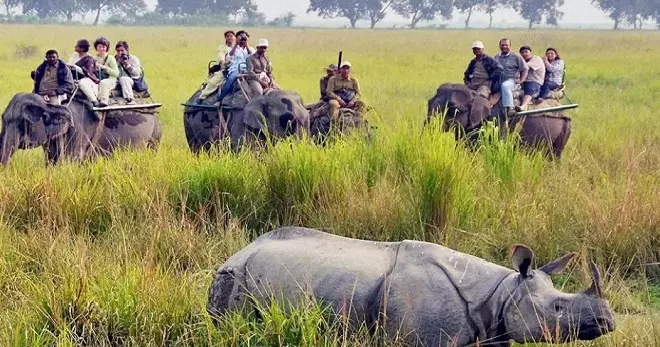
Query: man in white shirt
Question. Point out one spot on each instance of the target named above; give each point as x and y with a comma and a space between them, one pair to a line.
238, 56
535, 76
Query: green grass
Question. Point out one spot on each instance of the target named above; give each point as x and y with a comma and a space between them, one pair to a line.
122, 251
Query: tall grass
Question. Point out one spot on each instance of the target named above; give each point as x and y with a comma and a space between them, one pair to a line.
121, 251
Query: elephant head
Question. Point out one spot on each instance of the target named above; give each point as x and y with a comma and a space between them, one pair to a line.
462, 108
278, 114
28, 122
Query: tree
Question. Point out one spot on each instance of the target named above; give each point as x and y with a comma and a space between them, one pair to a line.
615, 9
129, 7
419, 10
9, 5
178, 7
534, 11
490, 6
284, 20
467, 6
353, 10
376, 10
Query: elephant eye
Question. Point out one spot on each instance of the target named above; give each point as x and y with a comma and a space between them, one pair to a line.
559, 309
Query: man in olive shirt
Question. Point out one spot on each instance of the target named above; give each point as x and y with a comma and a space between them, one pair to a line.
343, 91
483, 72
260, 68
53, 79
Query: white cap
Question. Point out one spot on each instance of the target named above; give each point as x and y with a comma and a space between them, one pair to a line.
262, 43
345, 63
478, 44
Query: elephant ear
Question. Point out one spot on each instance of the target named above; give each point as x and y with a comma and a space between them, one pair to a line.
57, 120
479, 112
33, 113
255, 115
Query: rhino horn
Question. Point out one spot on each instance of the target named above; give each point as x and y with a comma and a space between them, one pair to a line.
595, 289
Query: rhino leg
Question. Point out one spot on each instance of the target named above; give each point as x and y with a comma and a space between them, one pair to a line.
226, 291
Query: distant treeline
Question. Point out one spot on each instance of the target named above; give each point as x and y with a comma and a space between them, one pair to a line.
246, 12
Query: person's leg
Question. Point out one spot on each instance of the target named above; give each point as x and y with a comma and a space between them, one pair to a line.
333, 109
507, 93
126, 84
89, 89
529, 88
229, 84
105, 87
212, 85
484, 91
546, 88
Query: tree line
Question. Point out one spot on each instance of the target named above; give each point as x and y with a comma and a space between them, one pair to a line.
631, 12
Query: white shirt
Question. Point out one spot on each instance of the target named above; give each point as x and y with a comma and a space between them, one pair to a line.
240, 59
73, 58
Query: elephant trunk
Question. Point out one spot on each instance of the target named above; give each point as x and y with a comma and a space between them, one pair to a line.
10, 142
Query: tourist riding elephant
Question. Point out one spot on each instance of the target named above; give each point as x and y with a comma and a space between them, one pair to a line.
277, 114
74, 131
466, 111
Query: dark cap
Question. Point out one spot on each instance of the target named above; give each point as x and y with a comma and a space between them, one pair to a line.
525, 48
331, 67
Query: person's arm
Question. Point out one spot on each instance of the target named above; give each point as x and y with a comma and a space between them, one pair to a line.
356, 88
523, 68
111, 67
323, 85
548, 65
466, 74
90, 69
134, 68
66, 88
250, 66
495, 69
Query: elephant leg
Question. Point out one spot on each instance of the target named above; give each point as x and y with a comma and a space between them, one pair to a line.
560, 141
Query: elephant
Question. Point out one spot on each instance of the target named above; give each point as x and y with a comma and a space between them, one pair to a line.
274, 115
203, 125
465, 111
349, 122
74, 131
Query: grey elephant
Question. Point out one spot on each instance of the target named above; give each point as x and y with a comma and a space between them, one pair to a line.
465, 111
423, 293
350, 121
74, 131
277, 113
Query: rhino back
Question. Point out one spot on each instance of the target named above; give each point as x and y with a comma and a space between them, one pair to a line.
341, 272
437, 296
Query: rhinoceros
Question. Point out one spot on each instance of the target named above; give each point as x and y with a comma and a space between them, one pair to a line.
419, 292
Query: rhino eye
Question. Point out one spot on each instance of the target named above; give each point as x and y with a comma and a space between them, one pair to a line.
559, 309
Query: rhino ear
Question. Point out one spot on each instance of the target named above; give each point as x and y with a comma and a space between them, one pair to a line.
522, 258
559, 265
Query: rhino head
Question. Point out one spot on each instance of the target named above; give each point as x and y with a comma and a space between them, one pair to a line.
533, 310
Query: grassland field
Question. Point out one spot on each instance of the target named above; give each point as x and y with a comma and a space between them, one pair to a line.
121, 252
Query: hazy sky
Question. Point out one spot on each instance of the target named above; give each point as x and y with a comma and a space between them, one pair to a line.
576, 13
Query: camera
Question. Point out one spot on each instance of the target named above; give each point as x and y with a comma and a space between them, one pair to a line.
123, 57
